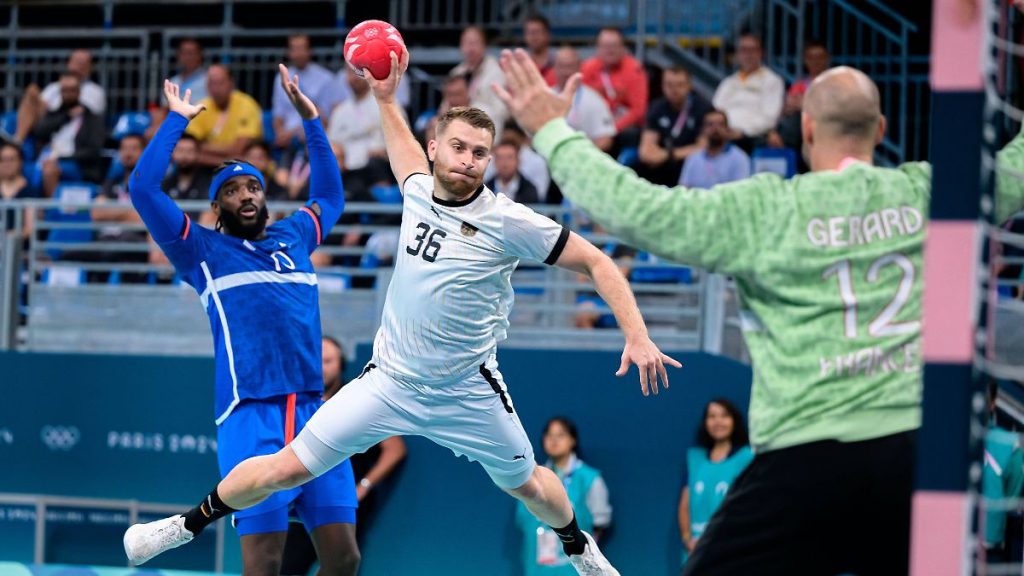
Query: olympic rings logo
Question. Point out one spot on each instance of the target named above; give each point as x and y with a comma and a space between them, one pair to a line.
60, 437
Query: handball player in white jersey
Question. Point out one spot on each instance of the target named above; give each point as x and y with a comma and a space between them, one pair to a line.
433, 372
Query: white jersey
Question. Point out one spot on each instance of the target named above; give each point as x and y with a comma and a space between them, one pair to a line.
448, 303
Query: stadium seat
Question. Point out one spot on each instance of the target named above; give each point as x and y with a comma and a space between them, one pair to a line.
387, 194
9, 122
268, 126
34, 174
131, 123
629, 156
659, 274
70, 193
781, 161
116, 171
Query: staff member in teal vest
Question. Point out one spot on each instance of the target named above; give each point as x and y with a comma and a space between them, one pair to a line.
1002, 479
721, 454
542, 552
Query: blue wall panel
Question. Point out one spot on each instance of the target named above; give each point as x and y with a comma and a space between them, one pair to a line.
145, 431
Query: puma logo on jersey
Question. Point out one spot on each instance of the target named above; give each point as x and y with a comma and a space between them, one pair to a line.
434, 210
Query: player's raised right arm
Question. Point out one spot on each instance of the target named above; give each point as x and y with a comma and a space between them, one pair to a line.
404, 151
721, 230
161, 215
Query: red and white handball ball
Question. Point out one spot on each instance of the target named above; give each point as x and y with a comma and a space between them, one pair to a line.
369, 45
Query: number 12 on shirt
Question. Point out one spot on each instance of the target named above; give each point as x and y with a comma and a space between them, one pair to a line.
883, 324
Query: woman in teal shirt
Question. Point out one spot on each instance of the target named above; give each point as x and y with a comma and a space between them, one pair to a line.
721, 454
542, 551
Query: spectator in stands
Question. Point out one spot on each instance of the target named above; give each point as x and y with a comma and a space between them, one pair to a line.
531, 165
372, 468
787, 133
456, 93
622, 81
673, 128
35, 104
231, 121
116, 191
752, 97
188, 180
191, 73
481, 71
191, 76
259, 155
816, 60
507, 179
355, 125
720, 161
317, 83
721, 453
537, 37
1002, 479
588, 493
73, 136
589, 113
14, 185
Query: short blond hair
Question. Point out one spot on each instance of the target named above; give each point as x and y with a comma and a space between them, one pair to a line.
475, 117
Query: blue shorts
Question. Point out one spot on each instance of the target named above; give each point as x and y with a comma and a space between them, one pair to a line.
264, 426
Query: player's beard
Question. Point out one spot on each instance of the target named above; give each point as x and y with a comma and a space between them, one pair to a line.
234, 225
459, 188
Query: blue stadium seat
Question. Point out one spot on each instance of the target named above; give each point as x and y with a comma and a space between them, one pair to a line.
116, 171
629, 156
70, 192
781, 161
34, 174
131, 123
387, 194
268, 126
420, 124
9, 122
659, 274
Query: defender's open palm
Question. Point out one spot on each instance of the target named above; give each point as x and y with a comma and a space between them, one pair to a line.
651, 362
179, 104
303, 105
528, 96
384, 90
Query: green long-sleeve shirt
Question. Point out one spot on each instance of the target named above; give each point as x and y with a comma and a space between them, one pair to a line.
828, 267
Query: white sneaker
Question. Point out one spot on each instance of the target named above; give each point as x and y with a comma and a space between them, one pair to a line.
142, 542
592, 562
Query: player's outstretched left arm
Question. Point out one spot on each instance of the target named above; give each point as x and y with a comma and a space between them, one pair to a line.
326, 191
583, 257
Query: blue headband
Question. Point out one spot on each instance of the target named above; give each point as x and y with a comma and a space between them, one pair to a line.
229, 172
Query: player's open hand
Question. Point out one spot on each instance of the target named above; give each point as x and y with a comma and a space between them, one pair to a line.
181, 104
384, 90
303, 105
651, 362
528, 96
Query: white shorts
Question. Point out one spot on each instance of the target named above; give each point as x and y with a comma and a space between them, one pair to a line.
473, 418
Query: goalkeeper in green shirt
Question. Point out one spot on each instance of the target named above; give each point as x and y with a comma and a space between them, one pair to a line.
828, 266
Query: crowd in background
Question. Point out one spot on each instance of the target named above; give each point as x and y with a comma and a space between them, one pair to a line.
679, 137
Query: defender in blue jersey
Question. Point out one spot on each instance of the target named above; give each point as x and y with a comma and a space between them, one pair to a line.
259, 289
